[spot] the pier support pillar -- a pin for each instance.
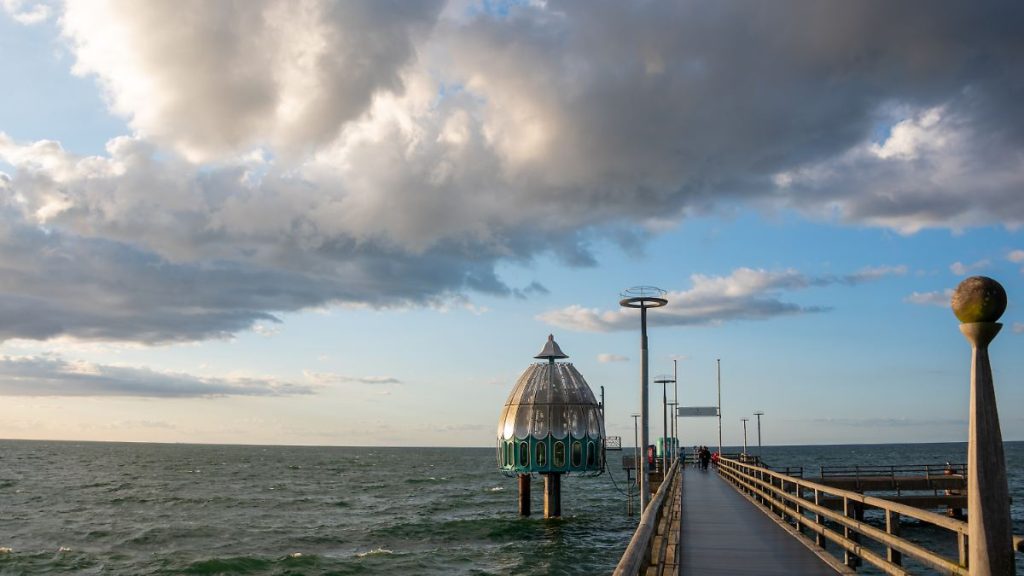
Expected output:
(552, 495)
(524, 494)
(979, 302)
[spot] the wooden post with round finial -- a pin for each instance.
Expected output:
(978, 302)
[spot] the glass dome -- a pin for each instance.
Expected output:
(551, 422)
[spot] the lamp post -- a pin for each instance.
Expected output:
(719, 363)
(643, 297)
(675, 412)
(744, 435)
(636, 464)
(759, 413)
(674, 441)
(978, 302)
(664, 380)
(636, 447)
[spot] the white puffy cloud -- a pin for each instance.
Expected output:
(606, 358)
(27, 13)
(1016, 256)
(214, 78)
(961, 269)
(935, 298)
(745, 294)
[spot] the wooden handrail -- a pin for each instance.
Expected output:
(752, 480)
(928, 470)
(637, 554)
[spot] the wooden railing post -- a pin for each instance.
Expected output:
(892, 526)
(850, 510)
(819, 539)
(799, 509)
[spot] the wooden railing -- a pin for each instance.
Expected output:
(638, 554)
(897, 471)
(785, 496)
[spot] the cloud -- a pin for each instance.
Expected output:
(919, 182)
(942, 298)
(1018, 327)
(52, 375)
(745, 294)
(132, 425)
(606, 358)
(209, 79)
(27, 13)
(532, 289)
(286, 156)
(328, 378)
(1016, 256)
(961, 269)
(869, 274)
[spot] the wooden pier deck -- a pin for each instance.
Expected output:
(724, 534)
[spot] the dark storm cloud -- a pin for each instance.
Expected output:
(389, 155)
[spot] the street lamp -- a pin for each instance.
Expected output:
(759, 413)
(643, 297)
(673, 432)
(744, 436)
(636, 447)
(675, 412)
(664, 380)
(719, 363)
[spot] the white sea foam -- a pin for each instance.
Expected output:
(496, 489)
(63, 549)
(295, 555)
(375, 552)
(6, 550)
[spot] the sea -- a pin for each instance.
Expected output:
(134, 508)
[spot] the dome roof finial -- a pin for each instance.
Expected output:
(551, 350)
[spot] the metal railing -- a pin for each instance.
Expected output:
(784, 496)
(637, 556)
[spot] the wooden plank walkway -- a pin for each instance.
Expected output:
(725, 534)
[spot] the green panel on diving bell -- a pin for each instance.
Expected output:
(544, 460)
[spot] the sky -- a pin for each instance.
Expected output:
(355, 223)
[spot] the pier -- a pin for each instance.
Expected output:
(699, 524)
(746, 519)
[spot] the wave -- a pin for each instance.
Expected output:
(429, 480)
(380, 551)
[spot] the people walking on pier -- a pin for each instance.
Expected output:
(705, 457)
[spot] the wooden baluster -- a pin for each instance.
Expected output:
(961, 544)
(799, 509)
(850, 510)
(892, 526)
(819, 539)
